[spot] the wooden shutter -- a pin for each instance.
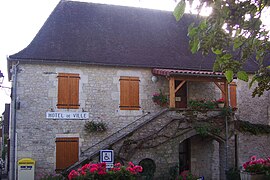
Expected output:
(67, 152)
(233, 96)
(68, 91)
(129, 93)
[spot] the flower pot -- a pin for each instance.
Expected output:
(221, 105)
(248, 176)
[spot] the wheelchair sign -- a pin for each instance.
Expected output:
(106, 156)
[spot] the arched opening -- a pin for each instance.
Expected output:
(203, 156)
(149, 168)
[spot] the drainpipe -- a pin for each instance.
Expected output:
(12, 174)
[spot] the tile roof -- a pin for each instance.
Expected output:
(87, 33)
(169, 72)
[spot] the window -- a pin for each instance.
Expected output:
(129, 93)
(68, 91)
(149, 168)
(67, 152)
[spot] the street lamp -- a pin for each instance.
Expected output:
(1, 77)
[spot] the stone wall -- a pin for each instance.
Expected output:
(99, 95)
(254, 110)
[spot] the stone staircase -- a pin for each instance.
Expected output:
(112, 139)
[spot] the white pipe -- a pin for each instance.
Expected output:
(12, 174)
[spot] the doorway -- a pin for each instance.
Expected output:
(184, 155)
(181, 95)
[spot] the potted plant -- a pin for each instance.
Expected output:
(220, 102)
(256, 169)
(160, 99)
(201, 105)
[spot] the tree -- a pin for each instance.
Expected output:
(234, 33)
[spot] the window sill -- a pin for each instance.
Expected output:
(126, 112)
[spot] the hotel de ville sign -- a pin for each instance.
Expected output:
(67, 115)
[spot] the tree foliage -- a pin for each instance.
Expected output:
(234, 33)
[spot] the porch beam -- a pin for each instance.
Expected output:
(172, 92)
(204, 79)
(179, 86)
(219, 86)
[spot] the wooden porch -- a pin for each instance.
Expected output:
(179, 78)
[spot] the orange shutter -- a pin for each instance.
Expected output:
(67, 152)
(233, 96)
(74, 91)
(232, 86)
(129, 93)
(63, 91)
(68, 91)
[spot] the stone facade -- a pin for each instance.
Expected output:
(254, 110)
(99, 94)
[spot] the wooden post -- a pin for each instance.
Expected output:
(172, 92)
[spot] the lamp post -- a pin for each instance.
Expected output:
(1, 77)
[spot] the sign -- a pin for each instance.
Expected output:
(67, 115)
(107, 156)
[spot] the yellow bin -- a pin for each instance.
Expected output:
(26, 169)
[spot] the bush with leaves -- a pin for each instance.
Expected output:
(92, 126)
(235, 35)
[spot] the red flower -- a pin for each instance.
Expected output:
(101, 172)
(83, 173)
(221, 100)
(131, 164)
(117, 165)
(73, 174)
(131, 170)
(93, 166)
(253, 158)
(93, 169)
(85, 167)
(138, 168)
(116, 169)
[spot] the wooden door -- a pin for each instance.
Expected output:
(181, 95)
(67, 152)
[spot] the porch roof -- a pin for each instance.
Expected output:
(175, 72)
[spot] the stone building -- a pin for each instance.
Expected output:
(103, 63)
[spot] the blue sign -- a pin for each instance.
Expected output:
(106, 156)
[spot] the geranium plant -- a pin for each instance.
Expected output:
(187, 175)
(221, 100)
(201, 104)
(257, 166)
(98, 171)
(160, 99)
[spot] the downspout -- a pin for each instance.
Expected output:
(13, 121)
(226, 128)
